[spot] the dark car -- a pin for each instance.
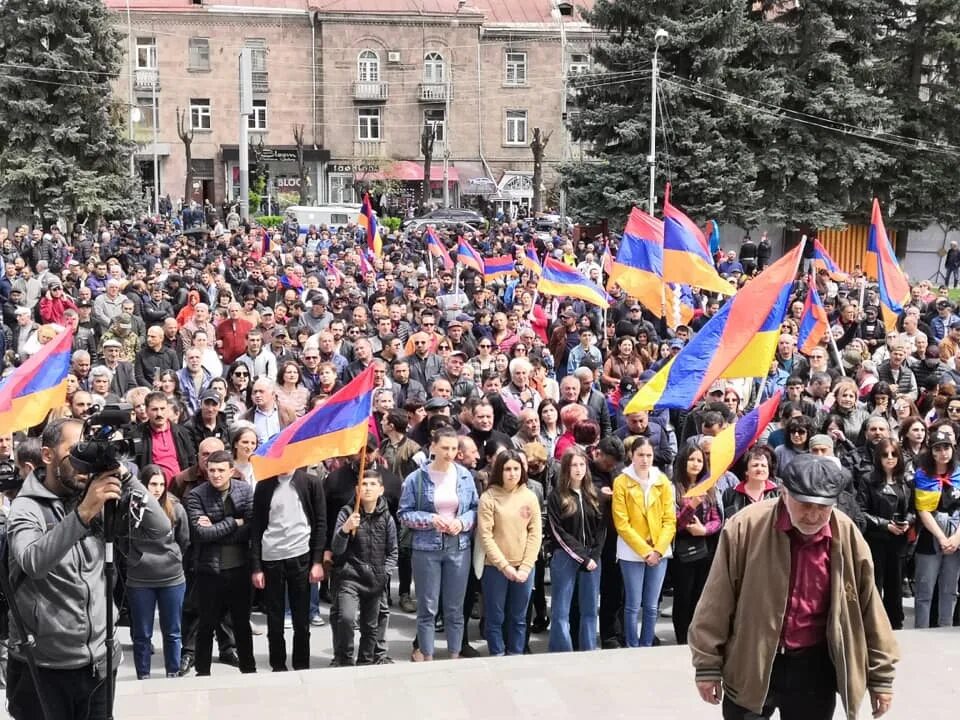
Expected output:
(448, 216)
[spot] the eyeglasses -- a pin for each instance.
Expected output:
(953, 409)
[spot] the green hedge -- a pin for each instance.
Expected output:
(269, 221)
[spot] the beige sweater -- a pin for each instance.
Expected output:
(508, 526)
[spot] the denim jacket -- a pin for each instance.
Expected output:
(417, 509)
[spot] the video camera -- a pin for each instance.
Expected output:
(10, 479)
(104, 444)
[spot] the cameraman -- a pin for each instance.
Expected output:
(56, 558)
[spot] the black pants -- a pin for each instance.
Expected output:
(611, 591)
(69, 694)
(288, 579)
(190, 621)
(803, 686)
(469, 600)
(356, 608)
(405, 570)
(688, 581)
(888, 573)
(227, 590)
(951, 271)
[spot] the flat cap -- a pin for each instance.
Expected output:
(813, 479)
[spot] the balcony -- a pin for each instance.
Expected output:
(433, 92)
(369, 148)
(439, 149)
(371, 91)
(146, 78)
(261, 83)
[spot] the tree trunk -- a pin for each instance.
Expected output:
(301, 164)
(426, 148)
(186, 136)
(538, 146)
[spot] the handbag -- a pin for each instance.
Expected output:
(689, 548)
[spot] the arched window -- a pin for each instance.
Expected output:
(433, 69)
(368, 67)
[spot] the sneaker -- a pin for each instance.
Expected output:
(230, 658)
(186, 663)
(385, 660)
(173, 675)
(407, 604)
(469, 651)
(666, 612)
(288, 623)
(611, 644)
(317, 621)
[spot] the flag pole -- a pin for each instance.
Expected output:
(836, 352)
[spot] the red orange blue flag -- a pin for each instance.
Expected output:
(335, 429)
(368, 221)
(638, 267)
(561, 280)
(38, 386)
(823, 261)
(814, 323)
(468, 256)
(686, 255)
(531, 261)
(436, 248)
(880, 262)
(498, 267)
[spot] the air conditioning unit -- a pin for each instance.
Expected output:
(393, 56)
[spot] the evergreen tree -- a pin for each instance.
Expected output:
(62, 151)
(707, 147)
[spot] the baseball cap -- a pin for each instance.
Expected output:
(210, 396)
(813, 479)
(459, 353)
(84, 304)
(942, 437)
(22, 311)
(124, 319)
(676, 343)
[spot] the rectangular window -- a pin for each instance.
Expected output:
(516, 127)
(258, 54)
(148, 110)
(437, 119)
(146, 53)
(258, 120)
(516, 68)
(368, 124)
(341, 189)
(199, 54)
(200, 118)
(579, 64)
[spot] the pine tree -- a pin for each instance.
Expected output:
(62, 152)
(707, 147)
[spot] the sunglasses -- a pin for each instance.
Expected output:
(443, 347)
(241, 374)
(798, 431)
(890, 456)
(485, 345)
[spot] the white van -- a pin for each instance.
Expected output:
(333, 216)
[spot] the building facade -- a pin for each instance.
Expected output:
(359, 80)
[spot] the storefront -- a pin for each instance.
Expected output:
(282, 173)
(405, 177)
(514, 191)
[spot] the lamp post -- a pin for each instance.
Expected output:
(561, 9)
(131, 60)
(659, 38)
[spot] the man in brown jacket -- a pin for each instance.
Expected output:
(791, 615)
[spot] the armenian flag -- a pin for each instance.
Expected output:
(562, 280)
(331, 269)
(498, 267)
(677, 304)
(823, 261)
(734, 440)
(638, 267)
(368, 221)
(606, 259)
(436, 248)
(531, 261)
(879, 262)
(686, 255)
(335, 429)
(713, 237)
(38, 386)
(468, 256)
(738, 341)
(364, 263)
(814, 323)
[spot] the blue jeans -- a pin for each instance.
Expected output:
(565, 575)
(641, 585)
(929, 569)
(433, 570)
(505, 610)
(143, 602)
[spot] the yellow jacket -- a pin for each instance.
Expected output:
(646, 523)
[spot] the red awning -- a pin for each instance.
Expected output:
(410, 171)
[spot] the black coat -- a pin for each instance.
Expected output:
(310, 491)
(182, 441)
(224, 530)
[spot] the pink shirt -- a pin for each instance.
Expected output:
(165, 453)
(445, 497)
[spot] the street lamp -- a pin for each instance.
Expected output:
(562, 9)
(659, 38)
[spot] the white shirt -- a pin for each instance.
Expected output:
(287, 534)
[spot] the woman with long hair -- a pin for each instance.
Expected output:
(885, 498)
(843, 400)
(913, 437)
(880, 401)
(937, 502)
(757, 483)
(645, 517)
(510, 532)
(168, 383)
(623, 363)
(239, 387)
(438, 503)
(550, 431)
(699, 520)
(243, 443)
(577, 534)
(155, 579)
(290, 391)
(484, 359)
(796, 433)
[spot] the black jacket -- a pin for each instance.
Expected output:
(182, 441)
(310, 491)
(206, 500)
(880, 502)
(367, 558)
(580, 535)
(148, 362)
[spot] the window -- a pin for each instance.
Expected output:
(579, 64)
(199, 54)
(258, 120)
(258, 54)
(433, 71)
(368, 67)
(516, 129)
(516, 65)
(148, 109)
(368, 124)
(341, 190)
(437, 119)
(146, 53)
(200, 114)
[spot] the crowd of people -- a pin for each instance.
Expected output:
(498, 448)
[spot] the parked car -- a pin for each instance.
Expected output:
(448, 215)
